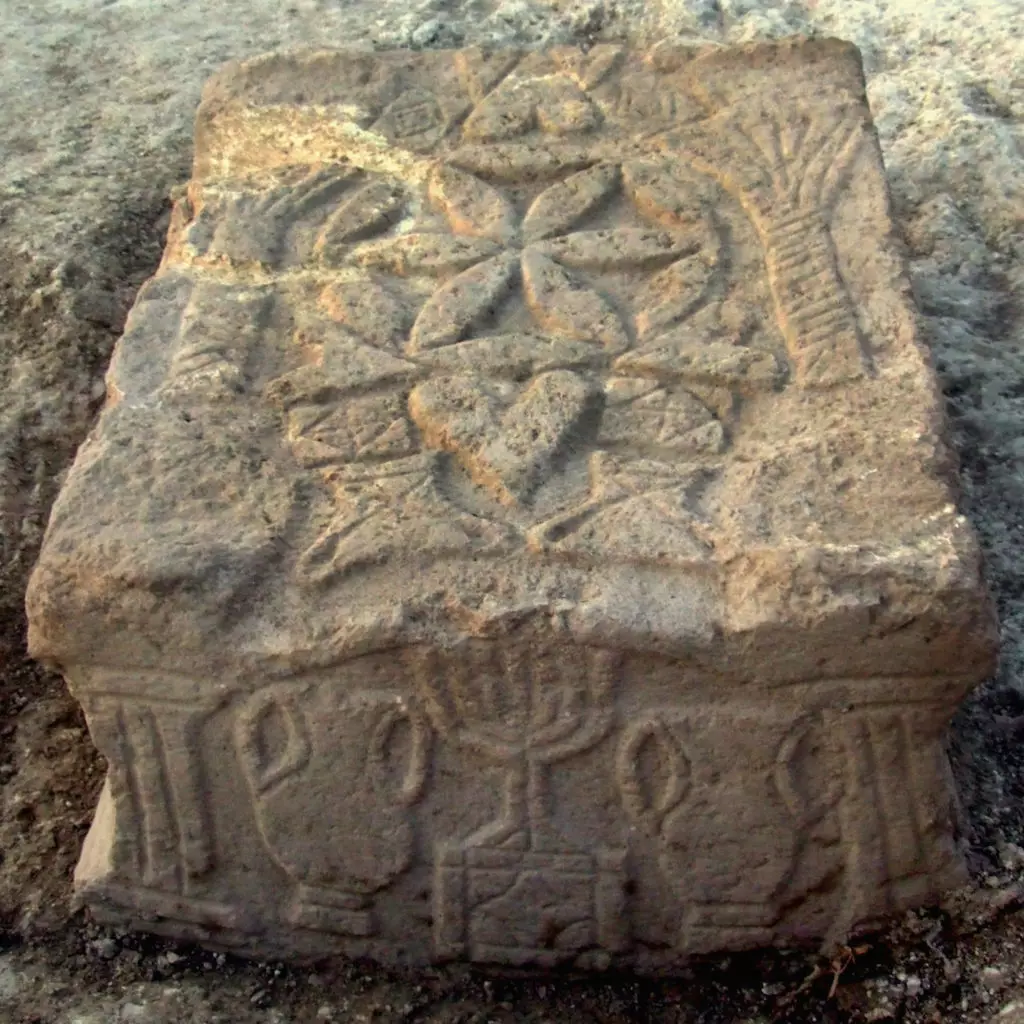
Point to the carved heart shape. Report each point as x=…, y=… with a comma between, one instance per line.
x=508, y=444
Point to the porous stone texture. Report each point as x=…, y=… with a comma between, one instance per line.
x=520, y=529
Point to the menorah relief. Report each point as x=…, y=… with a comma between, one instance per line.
x=517, y=890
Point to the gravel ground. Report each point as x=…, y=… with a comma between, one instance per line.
x=96, y=102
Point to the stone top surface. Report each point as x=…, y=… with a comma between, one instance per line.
x=445, y=340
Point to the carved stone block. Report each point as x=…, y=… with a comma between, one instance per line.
x=520, y=529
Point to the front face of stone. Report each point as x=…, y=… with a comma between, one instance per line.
x=518, y=529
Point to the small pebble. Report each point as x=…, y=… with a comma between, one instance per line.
x=106, y=949
x=427, y=32
x=1011, y=856
x=994, y=978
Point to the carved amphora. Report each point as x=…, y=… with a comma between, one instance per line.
x=333, y=779
x=731, y=796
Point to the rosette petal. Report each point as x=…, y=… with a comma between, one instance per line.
x=462, y=302
x=370, y=309
x=674, y=294
x=561, y=207
x=522, y=162
x=510, y=355
x=661, y=198
x=509, y=111
x=472, y=206
x=373, y=209
x=718, y=363
x=435, y=255
x=619, y=248
x=562, y=107
x=566, y=306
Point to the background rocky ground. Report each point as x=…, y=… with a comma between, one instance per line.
x=96, y=101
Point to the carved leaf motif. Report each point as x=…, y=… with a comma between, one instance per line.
x=677, y=422
x=361, y=428
x=564, y=305
x=374, y=208
x=370, y=309
x=347, y=365
x=472, y=206
x=717, y=363
x=619, y=248
x=652, y=528
x=277, y=227
x=347, y=360
x=507, y=112
x=718, y=149
x=667, y=56
x=674, y=294
x=521, y=162
x=559, y=208
x=623, y=390
x=533, y=432
x=307, y=384
x=660, y=198
x=588, y=69
x=465, y=300
x=619, y=476
x=563, y=108
x=395, y=510
x=455, y=413
x=507, y=446
x=481, y=70
x=510, y=355
x=436, y=255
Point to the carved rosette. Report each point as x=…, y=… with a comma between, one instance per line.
x=477, y=343
x=529, y=337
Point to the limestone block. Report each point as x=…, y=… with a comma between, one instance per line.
x=520, y=528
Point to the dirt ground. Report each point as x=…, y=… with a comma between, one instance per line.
x=97, y=100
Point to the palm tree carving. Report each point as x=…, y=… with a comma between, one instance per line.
x=786, y=162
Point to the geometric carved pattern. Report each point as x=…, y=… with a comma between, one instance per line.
x=532, y=334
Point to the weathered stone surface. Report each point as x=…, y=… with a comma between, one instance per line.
x=520, y=528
